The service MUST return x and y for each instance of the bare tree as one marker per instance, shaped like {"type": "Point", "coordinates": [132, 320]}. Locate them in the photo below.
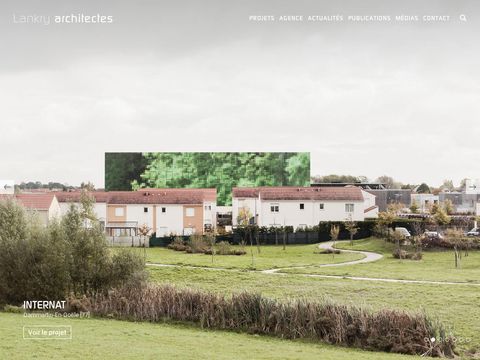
{"type": "Point", "coordinates": [351, 227]}
{"type": "Point", "coordinates": [455, 236]}
{"type": "Point", "coordinates": [144, 231]}
{"type": "Point", "coordinates": [211, 240]}
{"type": "Point", "coordinates": [334, 232]}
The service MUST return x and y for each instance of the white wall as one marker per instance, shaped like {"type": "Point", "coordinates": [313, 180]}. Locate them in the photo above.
{"type": "Point", "coordinates": [420, 200]}
{"type": "Point", "coordinates": [54, 212]}
{"type": "Point", "coordinates": [171, 221]}
{"type": "Point", "coordinates": [252, 204]}
{"type": "Point", "coordinates": [135, 212]}
{"type": "Point", "coordinates": [209, 213]}
{"type": "Point", "coordinates": [368, 199]}
{"type": "Point", "coordinates": [368, 202]}
{"type": "Point", "coordinates": [290, 213]}
{"type": "Point", "coordinates": [100, 209]}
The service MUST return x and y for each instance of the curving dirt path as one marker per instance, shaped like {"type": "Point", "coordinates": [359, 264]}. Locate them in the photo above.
{"type": "Point", "coordinates": [368, 257]}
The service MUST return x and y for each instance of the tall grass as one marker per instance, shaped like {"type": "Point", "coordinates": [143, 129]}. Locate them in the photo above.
{"type": "Point", "coordinates": [386, 330]}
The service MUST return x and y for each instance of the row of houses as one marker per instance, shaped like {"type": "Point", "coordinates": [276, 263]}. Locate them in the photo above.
{"type": "Point", "coordinates": [188, 211]}
{"type": "Point", "coordinates": [466, 201]}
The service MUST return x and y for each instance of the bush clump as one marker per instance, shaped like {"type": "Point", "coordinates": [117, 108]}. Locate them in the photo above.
{"type": "Point", "coordinates": [464, 242]}
{"type": "Point", "coordinates": [70, 256]}
{"type": "Point", "coordinates": [224, 248]}
{"type": "Point", "coordinates": [177, 244]}
{"type": "Point", "coordinates": [403, 254]}
{"type": "Point", "coordinates": [386, 330]}
{"type": "Point", "coordinates": [328, 251]}
{"type": "Point", "coordinates": [196, 244]}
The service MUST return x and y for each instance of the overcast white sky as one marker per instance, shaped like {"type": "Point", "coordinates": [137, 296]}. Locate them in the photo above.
{"type": "Point", "coordinates": [364, 99]}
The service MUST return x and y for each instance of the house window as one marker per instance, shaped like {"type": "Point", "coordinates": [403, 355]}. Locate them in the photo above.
{"type": "Point", "coordinates": [302, 206]}
{"type": "Point", "coordinates": [188, 231]}
{"type": "Point", "coordinates": [349, 208]}
{"type": "Point", "coordinates": [274, 208]}
{"type": "Point", "coordinates": [145, 209]}
{"type": "Point", "coordinates": [164, 210]}
{"type": "Point", "coordinates": [322, 206]}
{"type": "Point", "coordinates": [119, 211]}
{"type": "Point", "coordinates": [190, 212]}
{"type": "Point", "coordinates": [208, 207]}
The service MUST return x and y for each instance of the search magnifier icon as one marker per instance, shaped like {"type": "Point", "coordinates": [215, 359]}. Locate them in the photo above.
{"type": "Point", "coordinates": [463, 17]}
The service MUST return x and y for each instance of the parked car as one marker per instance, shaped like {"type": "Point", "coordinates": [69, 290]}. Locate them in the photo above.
{"type": "Point", "coordinates": [404, 232]}
{"type": "Point", "coordinates": [433, 235]}
{"type": "Point", "coordinates": [474, 232]}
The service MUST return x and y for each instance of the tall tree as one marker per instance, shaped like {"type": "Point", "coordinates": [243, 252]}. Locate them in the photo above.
{"type": "Point", "coordinates": [447, 185]}
{"type": "Point", "coordinates": [334, 178]}
{"type": "Point", "coordinates": [122, 169]}
{"type": "Point", "coordinates": [423, 189]}
{"type": "Point", "coordinates": [224, 171]}
{"type": "Point", "coordinates": [389, 182]}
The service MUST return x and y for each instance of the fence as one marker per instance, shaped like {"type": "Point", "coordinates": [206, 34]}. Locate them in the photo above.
{"type": "Point", "coordinates": [133, 241]}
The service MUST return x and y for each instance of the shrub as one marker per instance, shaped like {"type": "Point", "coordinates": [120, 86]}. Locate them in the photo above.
{"type": "Point", "coordinates": [13, 309]}
{"type": "Point", "coordinates": [238, 252]}
{"type": "Point", "coordinates": [48, 263]}
{"type": "Point", "coordinates": [177, 244]}
{"type": "Point", "coordinates": [197, 244]}
{"type": "Point", "coordinates": [78, 304]}
{"type": "Point", "coordinates": [386, 330]}
{"type": "Point", "coordinates": [328, 251]}
{"type": "Point", "coordinates": [403, 254]}
{"type": "Point", "coordinates": [223, 248]}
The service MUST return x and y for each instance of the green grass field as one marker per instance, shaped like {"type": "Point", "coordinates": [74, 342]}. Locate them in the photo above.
{"type": "Point", "coordinates": [116, 340]}
{"type": "Point", "coordinates": [269, 257]}
{"type": "Point", "coordinates": [456, 306]}
{"type": "Point", "coordinates": [435, 265]}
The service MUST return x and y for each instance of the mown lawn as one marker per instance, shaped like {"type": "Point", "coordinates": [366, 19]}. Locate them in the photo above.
{"type": "Point", "coordinates": [435, 265]}
{"type": "Point", "coordinates": [113, 339]}
{"type": "Point", "coordinates": [454, 305]}
{"type": "Point", "coordinates": [269, 257]}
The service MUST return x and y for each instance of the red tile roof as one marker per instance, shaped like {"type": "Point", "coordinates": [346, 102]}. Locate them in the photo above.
{"type": "Point", "coordinates": [74, 196]}
{"type": "Point", "coordinates": [245, 192]}
{"type": "Point", "coordinates": [146, 196]}
{"type": "Point", "coordinates": [301, 193]}
{"type": "Point", "coordinates": [39, 201]}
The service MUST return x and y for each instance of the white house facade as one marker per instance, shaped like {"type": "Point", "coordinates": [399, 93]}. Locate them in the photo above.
{"type": "Point", "coordinates": [301, 206]}
{"type": "Point", "coordinates": [164, 211]}
{"type": "Point", "coordinates": [424, 201]}
{"type": "Point", "coordinates": [44, 205]}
